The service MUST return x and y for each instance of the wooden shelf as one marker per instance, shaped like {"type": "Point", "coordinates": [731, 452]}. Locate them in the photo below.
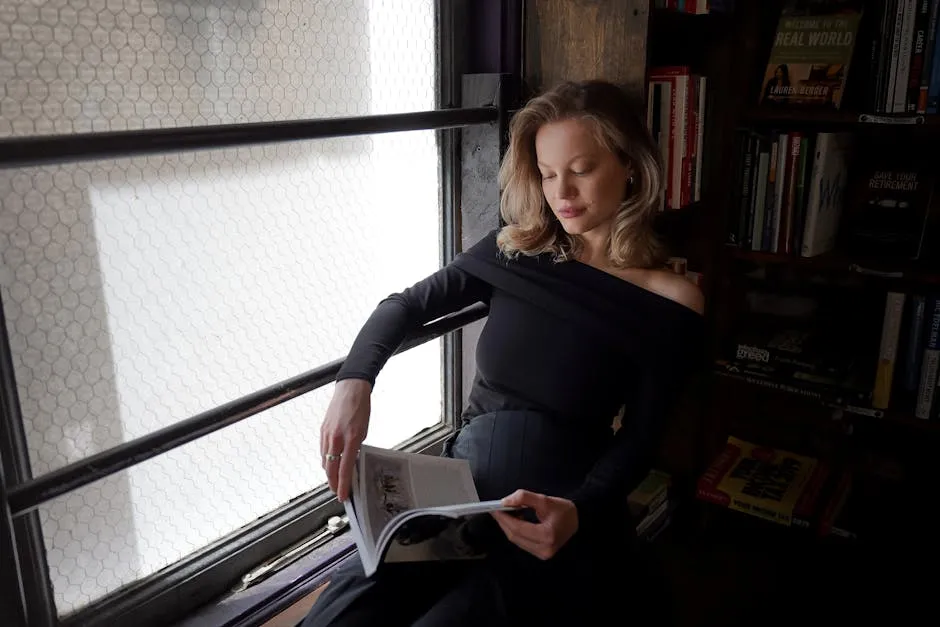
{"type": "Point", "coordinates": [840, 120]}
{"type": "Point", "coordinates": [910, 271]}
{"type": "Point", "coordinates": [908, 420]}
{"type": "Point", "coordinates": [893, 417]}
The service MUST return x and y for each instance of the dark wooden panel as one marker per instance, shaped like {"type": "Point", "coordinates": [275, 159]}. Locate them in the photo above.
{"type": "Point", "coordinates": [584, 39]}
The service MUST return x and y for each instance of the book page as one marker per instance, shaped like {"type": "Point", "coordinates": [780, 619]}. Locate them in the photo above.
{"type": "Point", "coordinates": [386, 490]}
{"type": "Point", "coordinates": [430, 537]}
{"type": "Point", "coordinates": [439, 481]}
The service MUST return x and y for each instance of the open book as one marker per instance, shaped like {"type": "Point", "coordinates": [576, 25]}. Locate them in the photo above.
{"type": "Point", "coordinates": [408, 507]}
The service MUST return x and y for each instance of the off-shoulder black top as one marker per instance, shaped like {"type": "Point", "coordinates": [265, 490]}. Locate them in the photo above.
{"type": "Point", "coordinates": [565, 339]}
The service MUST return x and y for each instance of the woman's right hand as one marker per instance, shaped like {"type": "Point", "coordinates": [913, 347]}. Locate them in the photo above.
{"type": "Point", "coordinates": [344, 428]}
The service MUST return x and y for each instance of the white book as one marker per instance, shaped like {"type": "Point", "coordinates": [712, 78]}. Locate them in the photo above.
{"type": "Point", "coordinates": [412, 507]}
{"type": "Point", "coordinates": [826, 199]}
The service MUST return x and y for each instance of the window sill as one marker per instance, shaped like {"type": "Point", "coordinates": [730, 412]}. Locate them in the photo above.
{"type": "Point", "coordinates": [268, 598]}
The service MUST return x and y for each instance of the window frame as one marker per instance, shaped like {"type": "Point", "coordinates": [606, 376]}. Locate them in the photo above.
{"type": "Point", "coordinates": [203, 576]}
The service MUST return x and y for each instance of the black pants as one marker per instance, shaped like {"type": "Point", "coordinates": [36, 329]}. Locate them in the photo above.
{"type": "Point", "coordinates": [507, 451]}
{"type": "Point", "coordinates": [512, 588]}
{"type": "Point", "coordinates": [425, 595]}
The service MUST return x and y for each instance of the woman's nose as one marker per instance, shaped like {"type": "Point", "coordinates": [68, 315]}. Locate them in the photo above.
{"type": "Point", "coordinates": [566, 188]}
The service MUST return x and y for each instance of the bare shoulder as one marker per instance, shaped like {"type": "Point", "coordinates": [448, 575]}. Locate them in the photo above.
{"type": "Point", "coordinates": [678, 288]}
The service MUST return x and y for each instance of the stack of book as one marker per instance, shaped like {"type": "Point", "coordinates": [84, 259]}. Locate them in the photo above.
{"type": "Point", "coordinates": [823, 498]}
{"type": "Point", "coordinates": [650, 505]}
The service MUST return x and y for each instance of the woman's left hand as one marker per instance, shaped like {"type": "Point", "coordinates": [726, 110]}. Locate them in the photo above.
{"type": "Point", "coordinates": [558, 521]}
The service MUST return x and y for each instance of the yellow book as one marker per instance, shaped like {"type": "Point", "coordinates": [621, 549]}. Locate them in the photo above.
{"type": "Point", "coordinates": [763, 481]}
{"type": "Point", "coordinates": [887, 356]}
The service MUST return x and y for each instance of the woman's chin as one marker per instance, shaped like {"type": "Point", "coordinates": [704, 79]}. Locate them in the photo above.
{"type": "Point", "coordinates": [572, 226]}
{"type": "Point", "coordinates": [576, 226]}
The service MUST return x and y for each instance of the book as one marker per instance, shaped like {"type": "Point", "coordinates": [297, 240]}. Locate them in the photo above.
{"type": "Point", "coordinates": [888, 349]}
{"type": "Point", "coordinates": [810, 55]}
{"type": "Point", "coordinates": [826, 193]}
{"type": "Point", "coordinates": [888, 206]}
{"type": "Point", "coordinates": [762, 481]}
{"type": "Point", "coordinates": [649, 504]}
{"type": "Point", "coordinates": [650, 494]}
{"type": "Point", "coordinates": [412, 507]}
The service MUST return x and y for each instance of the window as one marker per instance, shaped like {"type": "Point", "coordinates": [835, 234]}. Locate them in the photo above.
{"type": "Point", "coordinates": [141, 291]}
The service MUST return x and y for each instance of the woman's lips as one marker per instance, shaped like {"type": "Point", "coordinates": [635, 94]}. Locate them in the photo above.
{"type": "Point", "coordinates": [570, 212]}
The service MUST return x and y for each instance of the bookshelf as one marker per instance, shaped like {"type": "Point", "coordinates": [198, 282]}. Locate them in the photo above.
{"type": "Point", "coordinates": [733, 50]}
{"type": "Point", "coordinates": [844, 120]}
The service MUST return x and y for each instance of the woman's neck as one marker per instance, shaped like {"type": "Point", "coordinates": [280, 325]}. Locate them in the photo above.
{"type": "Point", "coordinates": [594, 247]}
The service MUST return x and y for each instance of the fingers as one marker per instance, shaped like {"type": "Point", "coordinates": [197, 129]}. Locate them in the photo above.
{"type": "Point", "coordinates": [527, 536]}
{"type": "Point", "coordinates": [346, 464]}
{"type": "Point", "coordinates": [524, 498]}
{"type": "Point", "coordinates": [332, 445]}
{"type": "Point", "coordinates": [538, 533]}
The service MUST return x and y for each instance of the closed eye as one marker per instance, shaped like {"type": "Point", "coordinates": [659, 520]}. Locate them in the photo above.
{"type": "Point", "coordinates": [583, 172]}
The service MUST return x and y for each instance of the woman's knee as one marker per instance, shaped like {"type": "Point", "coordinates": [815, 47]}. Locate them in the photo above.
{"type": "Point", "coordinates": [398, 594]}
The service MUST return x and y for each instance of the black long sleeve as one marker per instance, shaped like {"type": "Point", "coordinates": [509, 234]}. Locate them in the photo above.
{"type": "Point", "coordinates": [448, 290]}
{"type": "Point", "coordinates": [632, 452]}
{"type": "Point", "coordinates": [563, 340]}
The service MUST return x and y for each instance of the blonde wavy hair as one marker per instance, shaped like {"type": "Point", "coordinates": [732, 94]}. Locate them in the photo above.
{"type": "Point", "coordinates": [531, 227]}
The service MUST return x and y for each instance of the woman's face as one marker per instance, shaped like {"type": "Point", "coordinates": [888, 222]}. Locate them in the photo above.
{"type": "Point", "coordinates": [583, 182]}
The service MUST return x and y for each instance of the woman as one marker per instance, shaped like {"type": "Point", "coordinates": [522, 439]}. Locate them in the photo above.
{"type": "Point", "coordinates": [584, 321]}
{"type": "Point", "coordinates": [777, 88]}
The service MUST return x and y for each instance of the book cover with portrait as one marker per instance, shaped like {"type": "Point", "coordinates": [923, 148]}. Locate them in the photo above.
{"type": "Point", "coordinates": [811, 53]}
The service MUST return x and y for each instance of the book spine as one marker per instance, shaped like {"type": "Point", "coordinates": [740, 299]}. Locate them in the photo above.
{"type": "Point", "coordinates": [681, 143]}
{"type": "Point", "coordinates": [783, 145]}
{"type": "Point", "coordinates": [690, 133]}
{"type": "Point", "coordinates": [876, 58]}
{"type": "Point", "coordinates": [930, 364]}
{"type": "Point", "coordinates": [888, 96]}
{"type": "Point", "coordinates": [904, 57]}
{"type": "Point", "coordinates": [824, 394]}
{"type": "Point", "coordinates": [925, 76]}
{"type": "Point", "coordinates": [787, 215]}
{"type": "Point", "coordinates": [760, 191]}
{"type": "Point", "coordinates": [917, 54]}
{"type": "Point", "coordinates": [767, 236]}
{"type": "Point", "coordinates": [811, 244]}
{"type": "Point", "coordinates": [884, 375]}
{"type": "Point", "coordinates": [745, 197]}
{"type": "Point", "coordinates": [933, 92]}
{"type": "Point", "coordinates": [806, 155]}
{"type": "Point", "coordinates": [700, 129]}
{"type": "Point", "coordinates": [677, 77]}
{"type": "Point", "coordinates": [706, 487]}
{"type": "Point", "coordinates": [913, 351]}
{"type": "Point", "coordinates": [883, 69]}
{"type": "Point", "coordinates": [733, 226]}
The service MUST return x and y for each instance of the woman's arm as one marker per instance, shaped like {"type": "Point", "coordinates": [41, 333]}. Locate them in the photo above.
{"type": "Point", "coordinates": [346, 423]}
{"type": "Point", "coordinates": [446, 291]}
{"type": "Point", "coordinates": [633, 451]}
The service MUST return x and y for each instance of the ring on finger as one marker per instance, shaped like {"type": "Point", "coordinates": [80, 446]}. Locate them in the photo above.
{"type": "Point", "coordinates": [330, 457]}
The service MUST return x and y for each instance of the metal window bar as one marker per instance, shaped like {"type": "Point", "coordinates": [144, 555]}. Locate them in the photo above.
{"type": "Point", "coordinates": [27, 496]}
{"type": "Point", "coordinates": [30, 151]}
{"type": "Point", "coordinates": [22, 498]}
{"type": "Point", "coordinates": [18, 152]}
